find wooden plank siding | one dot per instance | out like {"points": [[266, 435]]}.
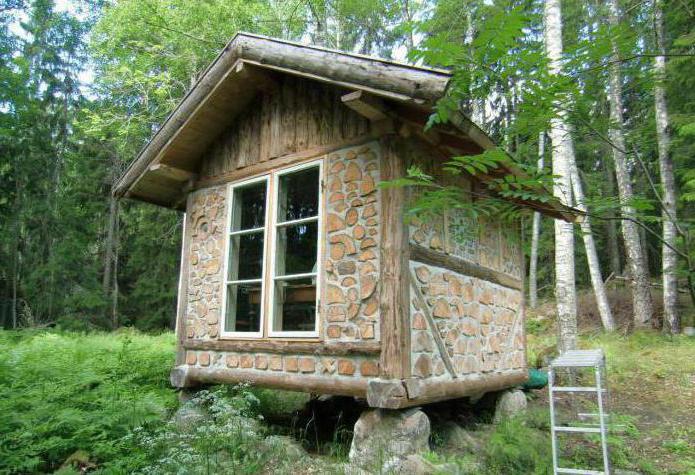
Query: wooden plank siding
{"points": [[297, 116]]}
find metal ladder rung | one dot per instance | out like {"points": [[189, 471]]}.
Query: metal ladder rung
{"points": [[596, 430], [590, 415], [579, 472], [575, 389]]}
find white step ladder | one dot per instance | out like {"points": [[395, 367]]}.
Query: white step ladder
{"points": [[573, 360]]}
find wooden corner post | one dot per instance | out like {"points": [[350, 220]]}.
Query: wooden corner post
{"points": [[394, 305], [182, 302]]}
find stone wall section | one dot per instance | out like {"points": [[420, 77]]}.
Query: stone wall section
{"points": [[206, 220], [351, 253], [481, 324], [349, 367]]}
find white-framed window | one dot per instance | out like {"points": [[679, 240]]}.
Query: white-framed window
{"points": [[247, 230], [295, 251], [287, 225]]}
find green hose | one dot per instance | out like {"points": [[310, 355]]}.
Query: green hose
{"points": [[537, 379]]}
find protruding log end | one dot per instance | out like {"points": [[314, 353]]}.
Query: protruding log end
{"points": [[387, 394], [179, 377]]}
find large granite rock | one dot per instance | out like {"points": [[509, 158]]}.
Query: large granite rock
{"points": [[461, 440], [384, 439], [189, 415], [509, 404], [413, 464]]}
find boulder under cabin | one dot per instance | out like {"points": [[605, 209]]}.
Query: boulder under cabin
{"points": [[298, 270]]}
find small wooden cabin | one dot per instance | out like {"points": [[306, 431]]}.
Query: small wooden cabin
{"points": [[298, 271]]}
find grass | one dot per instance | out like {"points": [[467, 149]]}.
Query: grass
{"points": [[102, 403], [651, 379]]}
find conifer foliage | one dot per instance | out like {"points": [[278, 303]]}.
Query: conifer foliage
{"points": [[83, 85]]}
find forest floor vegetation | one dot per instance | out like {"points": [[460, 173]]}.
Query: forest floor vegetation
{"points": [[101, 403]]}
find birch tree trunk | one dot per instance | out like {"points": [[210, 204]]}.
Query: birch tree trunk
{"points": [[641, 295], [565, 291], [604, 309], [535, 236], [669, 258]]}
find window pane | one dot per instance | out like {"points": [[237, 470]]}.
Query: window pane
{"points": [[298, 196], [296, 248], [295, 305], [243, 308], [245, 256], [249, 206]]}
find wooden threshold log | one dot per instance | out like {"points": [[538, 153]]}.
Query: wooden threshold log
{"points": [[186, 376], [462, 266], [287, 347], [398, 394], [423, 391]]}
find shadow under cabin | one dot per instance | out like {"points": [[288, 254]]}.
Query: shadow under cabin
{"points": [[298, 271]]}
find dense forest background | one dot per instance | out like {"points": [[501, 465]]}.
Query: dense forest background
{"points": [[83, 84]]}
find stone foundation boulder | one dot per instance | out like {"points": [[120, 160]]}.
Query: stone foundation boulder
{"points": [[189, 416], [413, 464], [510, 403], [385, 439], [461, 440]]}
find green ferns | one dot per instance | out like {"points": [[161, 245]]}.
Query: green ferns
{"points": [[61, 393]]}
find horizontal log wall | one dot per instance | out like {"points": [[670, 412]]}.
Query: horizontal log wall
{"points": [[187, 376], [296, 116]]}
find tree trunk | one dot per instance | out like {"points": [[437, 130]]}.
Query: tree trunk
{"points": [[109, 246], [408, 17], [318, 11], [641, 295], [669, 259], [604, 309], [114, 290], [16, 230], [15, 272], [611, 228], [565, 291], [535, 236]]}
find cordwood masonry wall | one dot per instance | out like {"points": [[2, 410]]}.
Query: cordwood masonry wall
{"points": [[480, 322], [348, 309]]}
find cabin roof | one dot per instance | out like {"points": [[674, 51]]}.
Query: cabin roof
{"points": [[166, 166]]}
